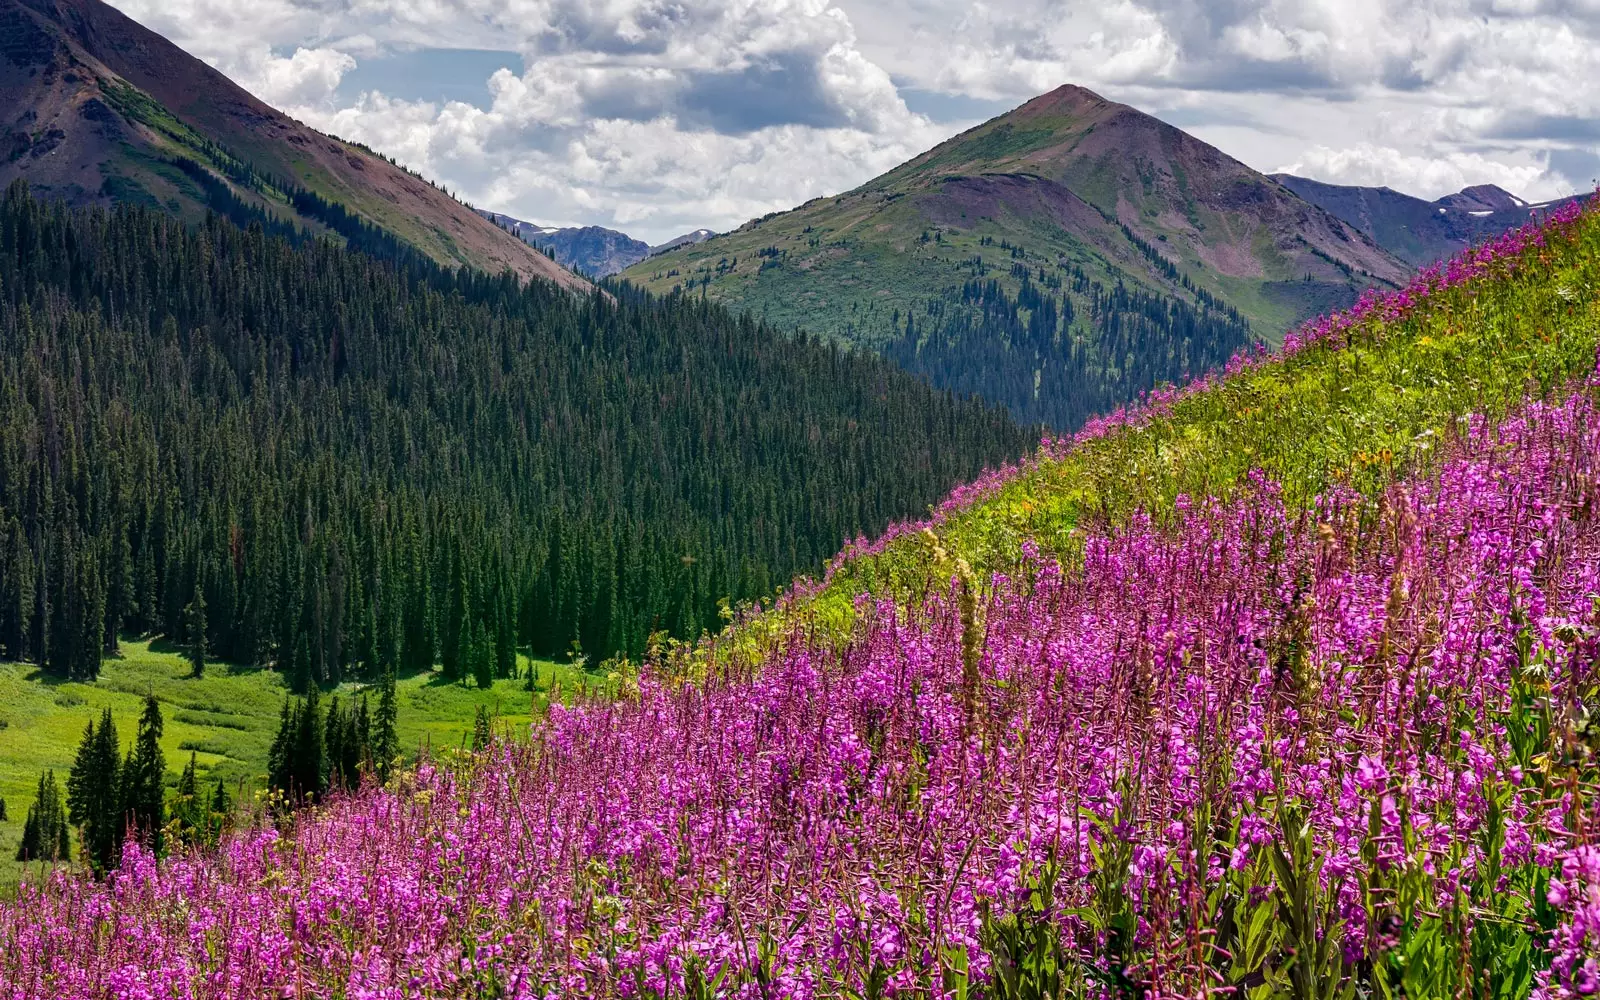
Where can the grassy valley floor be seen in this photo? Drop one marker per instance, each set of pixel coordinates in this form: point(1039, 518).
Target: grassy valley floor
point(227, 718)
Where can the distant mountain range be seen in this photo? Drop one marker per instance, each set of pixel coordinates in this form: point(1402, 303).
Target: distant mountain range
point(591, 250)
point(95, 108)
point(1416, 231)
point(1056, 259)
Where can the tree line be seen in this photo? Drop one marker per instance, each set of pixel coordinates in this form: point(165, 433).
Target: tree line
point(1059, 355)
point(110, 796)
point(290, 453)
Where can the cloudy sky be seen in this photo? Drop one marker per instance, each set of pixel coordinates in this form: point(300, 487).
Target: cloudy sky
point(662, 116)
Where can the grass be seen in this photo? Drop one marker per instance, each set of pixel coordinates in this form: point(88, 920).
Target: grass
point(227, 718)
point(1363, 414)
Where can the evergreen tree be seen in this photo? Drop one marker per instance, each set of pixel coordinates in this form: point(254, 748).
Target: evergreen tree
point(144, 778)
point(481, 730)
point(300, 678)
point(44, 833)
point(482, 657)
point(188, 808)
point(194, 627)
point(280, 758)
point(221, 808)
point(385, 738)
point(94, 794)
point(310, 751)
point(333, 734)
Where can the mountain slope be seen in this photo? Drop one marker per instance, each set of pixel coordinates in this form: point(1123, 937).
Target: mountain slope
point(100, 109)
point(1058, 259)
point(1416, 231)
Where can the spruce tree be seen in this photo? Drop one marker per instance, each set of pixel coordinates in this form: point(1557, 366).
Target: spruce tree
point(281, 756)
point(300, 679)
point(385, 738)
point(194, 627)
point(221, 810)
point(481, 730)
point(44, 834)
point(144, 778)
point(94, 794)
point(333, 743)
point(188, 809)
point(310, 761)
point(482, 657)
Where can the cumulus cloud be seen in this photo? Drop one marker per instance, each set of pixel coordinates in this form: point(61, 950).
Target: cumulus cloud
point(1425, 175)
point(665, 115)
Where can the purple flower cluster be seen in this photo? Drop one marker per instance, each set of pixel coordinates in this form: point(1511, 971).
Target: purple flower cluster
point(1180, 726)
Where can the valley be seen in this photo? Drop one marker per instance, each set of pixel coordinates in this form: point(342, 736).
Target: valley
point(1065, 562)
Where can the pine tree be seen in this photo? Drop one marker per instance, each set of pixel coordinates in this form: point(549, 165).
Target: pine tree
point(144, 778)
point(194, 627)
point(385, 738)
point(280, 758)
point(481, 729)
point(44, 834)
point(482, 657)
point(366, 652)
point(220, 812)
point(311, 763)
point(94, 799)
point(188, 810)
point(300, 679)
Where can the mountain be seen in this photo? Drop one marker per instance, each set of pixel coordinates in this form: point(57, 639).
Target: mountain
point(687, 239)
point(95, 108)
point(592, 250)
point(1416, 231)
point(1058, 259)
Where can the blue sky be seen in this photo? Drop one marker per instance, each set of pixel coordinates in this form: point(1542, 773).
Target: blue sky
point(661, 116)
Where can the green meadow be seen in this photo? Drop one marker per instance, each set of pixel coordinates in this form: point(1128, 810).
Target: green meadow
point(227, 718)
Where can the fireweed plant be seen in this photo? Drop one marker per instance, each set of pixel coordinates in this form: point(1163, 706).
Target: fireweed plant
point(1337, 750)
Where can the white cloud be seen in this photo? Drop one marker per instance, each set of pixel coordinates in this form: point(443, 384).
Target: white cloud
point(665, 115)
point(1427, 176)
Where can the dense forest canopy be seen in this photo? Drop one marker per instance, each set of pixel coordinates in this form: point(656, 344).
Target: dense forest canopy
point(358, 464)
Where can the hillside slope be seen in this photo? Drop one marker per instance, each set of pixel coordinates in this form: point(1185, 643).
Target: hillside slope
point(1353, 400)
point(99, 109)
point(1416, 231)
point(993, 262)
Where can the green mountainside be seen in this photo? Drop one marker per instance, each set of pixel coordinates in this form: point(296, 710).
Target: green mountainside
point(1058, 259)
point(95, 108)
point(362, 466)
point(1361, 403)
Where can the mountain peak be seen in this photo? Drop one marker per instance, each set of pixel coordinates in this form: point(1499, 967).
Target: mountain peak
point(1482, 198)
point(1068, 98)
point(101, 109)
